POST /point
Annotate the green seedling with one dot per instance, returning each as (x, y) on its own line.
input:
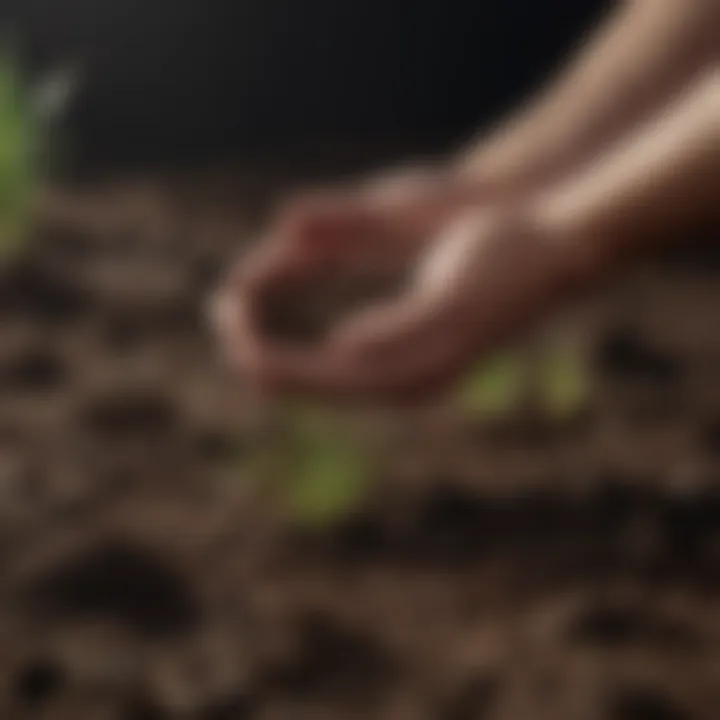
(557, 383)
(19, 156)
(496, 388)
(563, 383)
(317, 466)
(325, 470)
(325, 467)
(27, 115)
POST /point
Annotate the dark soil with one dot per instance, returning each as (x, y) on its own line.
(527, 571)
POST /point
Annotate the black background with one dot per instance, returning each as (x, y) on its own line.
(170, 80)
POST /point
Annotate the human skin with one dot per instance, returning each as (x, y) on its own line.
(488, 267)
(644, 53)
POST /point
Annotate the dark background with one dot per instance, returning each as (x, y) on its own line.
(170, 80)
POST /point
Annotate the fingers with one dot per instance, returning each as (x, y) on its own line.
(360, 229)
(312, 237)
(482, 279)
(233, 319)
(296, 248)
(325, 226)
(399, 352)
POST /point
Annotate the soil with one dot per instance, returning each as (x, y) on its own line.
(526, 570)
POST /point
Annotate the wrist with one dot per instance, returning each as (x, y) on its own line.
(586, 248)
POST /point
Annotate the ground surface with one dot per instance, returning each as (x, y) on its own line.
(529, 572)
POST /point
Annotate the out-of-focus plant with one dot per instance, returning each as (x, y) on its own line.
(326, 467)
(564, 382)
(556, 380)
(28, 114)
(323, 468)
(19, 156)
(496, 387)
(316, 462)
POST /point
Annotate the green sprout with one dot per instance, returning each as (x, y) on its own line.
(322, 467)
(19, 158)
(27, 115)
(313, 461)
(564, 383)
(558, 384)
(496, 387)
(326, 467)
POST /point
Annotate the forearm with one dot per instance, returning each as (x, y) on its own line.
(647, 51)
(661, 183)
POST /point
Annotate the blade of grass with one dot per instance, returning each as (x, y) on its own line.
(20, 152)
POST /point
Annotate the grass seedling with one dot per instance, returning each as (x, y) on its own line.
(323, 468)
(496, 388)
(563, 383)
(27, 116)
(316, 463)
(326, 467)
(557, 383)
(19, 158)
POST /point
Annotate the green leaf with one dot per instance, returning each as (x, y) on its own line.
(495, 388)
(326, 469)
(564, 383)
(20, 151)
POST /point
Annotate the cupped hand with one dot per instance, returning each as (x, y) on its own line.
(480, 279)
(385, 217)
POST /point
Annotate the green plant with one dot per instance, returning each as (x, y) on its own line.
(27, 115)
(19, 156)
(326, 468)
(323, 467)
(557, 381)
(564, 383)
(316, 462)
(495, 387)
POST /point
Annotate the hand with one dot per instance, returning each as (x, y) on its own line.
(397, 211)
(481, 279)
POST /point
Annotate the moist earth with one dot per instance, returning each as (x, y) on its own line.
(517, 570)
